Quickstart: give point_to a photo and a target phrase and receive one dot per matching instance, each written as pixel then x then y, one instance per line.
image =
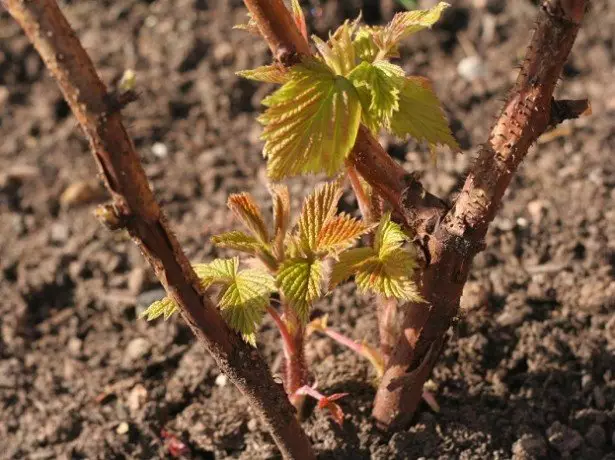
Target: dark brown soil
pixel 530 369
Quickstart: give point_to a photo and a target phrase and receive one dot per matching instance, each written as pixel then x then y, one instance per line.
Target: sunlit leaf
pixel 405 24
pixel 385 269
pixel 421 116
pixel 281 216
pixel 243 301
pixel 237 241
pixel 348 264
pixel 246 209
pixel 273 73
pixel 220 271
pixel 378 85
pixel 339 52
pixel 318 208
pixel 364 44
pixel 165 308
pixel 300 281
pixel 311 123
pixel 339 233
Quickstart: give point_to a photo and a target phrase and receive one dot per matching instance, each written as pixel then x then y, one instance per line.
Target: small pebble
pixel 471 68
pixel 122 428
pixel 74 346
pixel 221 380
pixel 137 348
pixel 58 233
pixel 137 397
pixel 160 150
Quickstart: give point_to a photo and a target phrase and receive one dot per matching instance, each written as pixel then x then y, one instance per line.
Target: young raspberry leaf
pixel 421 116
pixel 339 52
pixel 299 18
pixel 311 122
pixel 165 308
pixel 281 217
pixel 319 207
pixel 249 213
pixel 244 296
pixel 300 280
pixel 385 269
pixel 405 24
pixel 348 264
pixel 365 47
pixel 251 26
pixel 238 241
pixel 378 85
pixel 339 233
pixel 244 302
pixel 220 272
pixel 273 73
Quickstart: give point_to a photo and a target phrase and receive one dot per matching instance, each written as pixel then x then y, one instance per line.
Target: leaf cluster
pixel 311 122
pixel 294 260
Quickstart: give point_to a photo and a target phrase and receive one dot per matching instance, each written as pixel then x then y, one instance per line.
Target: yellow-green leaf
pixel 364 44
pixel 389 236
pixel 300 282
pixel 273 73
pixel 407 23
pixel 385 269
pixel 390 277
pixel 339 52
pixel 244 300
pixel 237 241
pixel 348 264
pixel 378 85
pixel 220 271
pixel 421 116
pixel 249 213
pixel 318 208
pixel 165 307
pixel 311 122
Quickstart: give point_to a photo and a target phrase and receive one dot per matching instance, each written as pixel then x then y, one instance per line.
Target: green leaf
pixel 348 264
pixel 220 271
pixel 300 281
pixel 243 302
pixel 249 213
pixel 364 44
pixel 405 24
pixel 273 73
pixel 237 241
pixel 389 277
pixel 378 85
pixel 421 116
pixel 318 208
pixel 339 52
pixel 165 307
pixel 386 269
pixel 311 123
